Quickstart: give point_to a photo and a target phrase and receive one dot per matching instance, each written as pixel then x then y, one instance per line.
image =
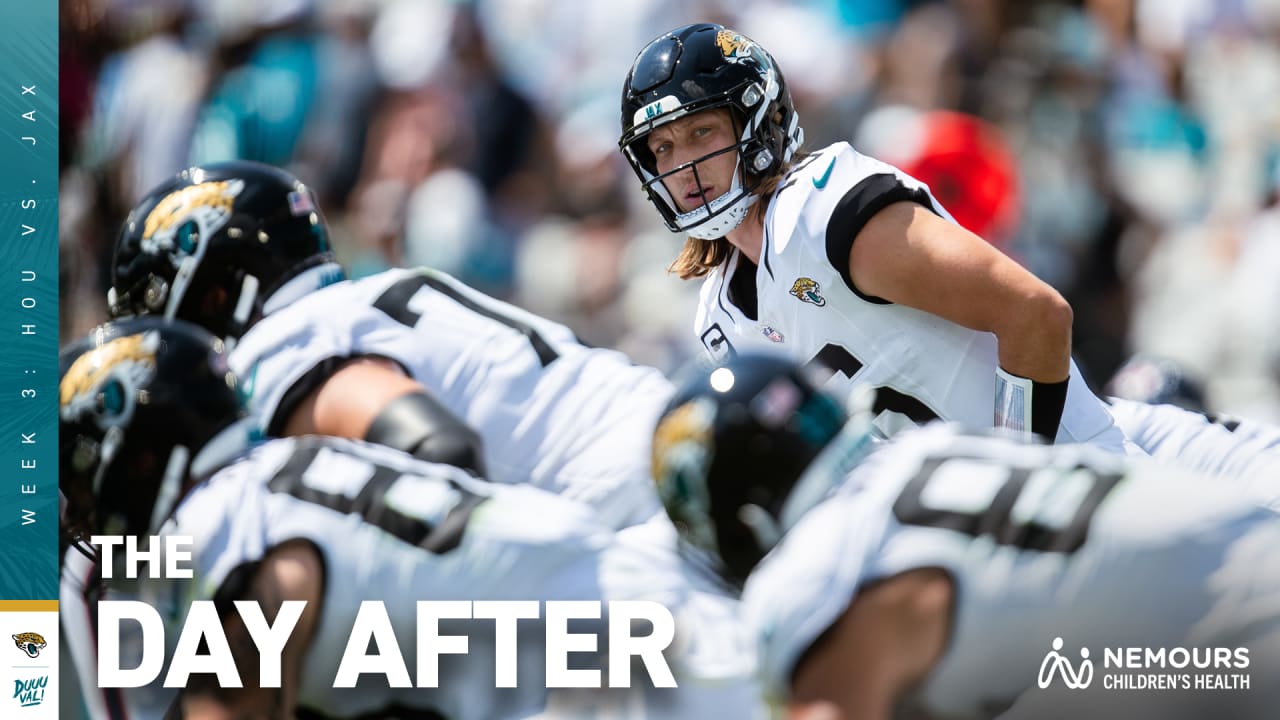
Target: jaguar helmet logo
pixel 204 207
pixel 30 643
pixel 733 46
pixel 105 381
pixel 682 446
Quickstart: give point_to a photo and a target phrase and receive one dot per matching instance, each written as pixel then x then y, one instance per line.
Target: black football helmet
pixel 701 67
pixel 214 245
pixel 1157 381
pixel 729 452
pixel 144 405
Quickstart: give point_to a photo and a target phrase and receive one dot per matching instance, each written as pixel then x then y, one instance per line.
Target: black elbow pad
pixel 418 424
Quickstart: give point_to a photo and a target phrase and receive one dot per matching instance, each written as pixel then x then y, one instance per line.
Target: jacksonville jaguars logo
pixel 733 46
pixel 178 222
pixel 30 643
pixel 681 450
pixel 104 383
pixel 806 289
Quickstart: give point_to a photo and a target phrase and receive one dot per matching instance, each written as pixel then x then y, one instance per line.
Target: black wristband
pixel 1047 403
pixel 420 425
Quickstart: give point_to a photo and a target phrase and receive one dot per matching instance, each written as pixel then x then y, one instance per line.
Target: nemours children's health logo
pixel 1055 665
pixel 1137 668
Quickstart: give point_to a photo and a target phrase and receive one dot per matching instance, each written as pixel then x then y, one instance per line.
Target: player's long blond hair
pixel 699 257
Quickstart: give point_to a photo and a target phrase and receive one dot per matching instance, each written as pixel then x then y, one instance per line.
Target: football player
pixel 838 258
pixel 153 442
pixel 941 572
pixel 411 359
pixel 1163 411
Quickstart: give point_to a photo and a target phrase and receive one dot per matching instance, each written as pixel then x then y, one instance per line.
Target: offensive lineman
pixel 838 258
pixel 1162 411
pixel 153 442
pixel 411 359
pixel 937 572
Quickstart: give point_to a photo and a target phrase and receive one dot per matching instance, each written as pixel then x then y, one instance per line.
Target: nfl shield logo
pixel 772 334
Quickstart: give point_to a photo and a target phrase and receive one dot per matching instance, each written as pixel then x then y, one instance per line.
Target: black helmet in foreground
pixel 731 448
pixel 145 405
pixel 216 244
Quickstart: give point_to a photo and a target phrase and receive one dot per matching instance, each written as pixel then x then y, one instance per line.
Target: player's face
pixel 687 139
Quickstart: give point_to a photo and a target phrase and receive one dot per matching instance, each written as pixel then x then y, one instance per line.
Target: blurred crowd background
pixel 1126 151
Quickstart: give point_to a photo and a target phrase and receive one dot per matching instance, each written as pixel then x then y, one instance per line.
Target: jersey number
pixel 394 301
pixel 1001 519
pixel 371 502
pixel 839 359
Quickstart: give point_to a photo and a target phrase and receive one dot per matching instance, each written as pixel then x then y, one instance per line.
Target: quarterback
pixel 838 258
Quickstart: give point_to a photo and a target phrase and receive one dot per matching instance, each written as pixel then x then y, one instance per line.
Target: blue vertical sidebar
pixel 28 302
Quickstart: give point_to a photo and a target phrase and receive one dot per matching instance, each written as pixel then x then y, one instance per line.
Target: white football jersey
pixel 570 419
pixel 1239 451
pixel 1041 543
pixel 397 530
pixel 801 301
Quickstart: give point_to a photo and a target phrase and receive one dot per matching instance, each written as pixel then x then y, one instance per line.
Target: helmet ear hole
pixel 762 160
pixel 156 294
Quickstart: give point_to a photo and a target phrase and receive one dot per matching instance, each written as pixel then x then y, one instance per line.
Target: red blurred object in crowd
pixel 971 171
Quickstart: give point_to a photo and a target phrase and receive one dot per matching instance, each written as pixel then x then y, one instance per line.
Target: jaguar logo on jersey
pixel 806 289
pixel 30 643
pixel 183 216
pixel 105 382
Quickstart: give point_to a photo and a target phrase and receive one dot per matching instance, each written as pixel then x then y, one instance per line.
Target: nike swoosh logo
pixel 821 182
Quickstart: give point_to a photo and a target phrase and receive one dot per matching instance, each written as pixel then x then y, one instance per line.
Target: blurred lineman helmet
pixel 729 452
pixel 221 245
pixel 1157 381
pixel 143 404
pixel 702 67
